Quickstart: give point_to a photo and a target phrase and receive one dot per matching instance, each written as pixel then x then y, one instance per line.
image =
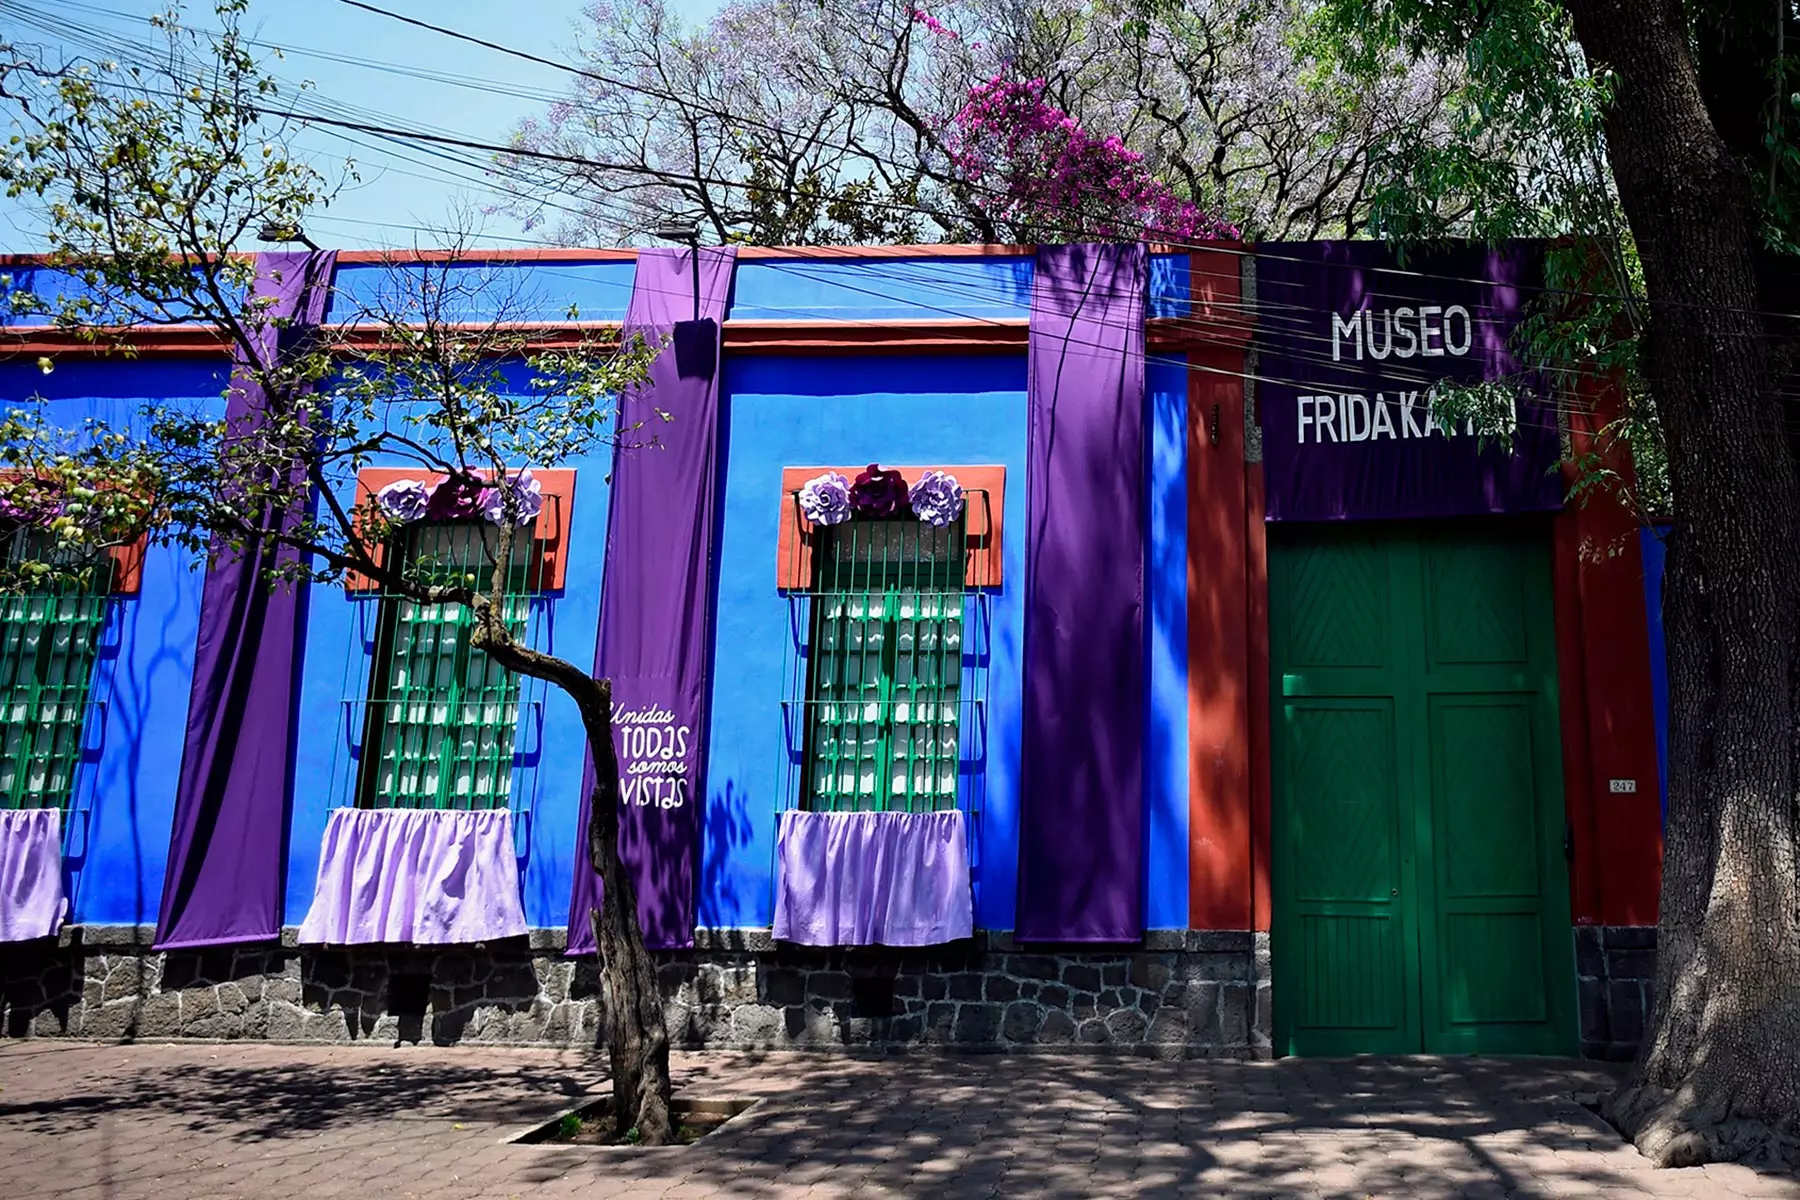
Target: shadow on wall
pixel 726 828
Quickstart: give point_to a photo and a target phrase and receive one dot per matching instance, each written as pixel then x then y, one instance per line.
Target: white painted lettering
pixel 1468 330
pixel 1327 413
pixel 1428 329
pixel 1387 330
pixel 1406 338
pixel 1352 329
pixel 1384 425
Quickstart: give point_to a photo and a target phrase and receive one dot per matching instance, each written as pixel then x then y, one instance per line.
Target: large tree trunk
pixel 1719 1073
pixel 637 1039
pixel 636 1036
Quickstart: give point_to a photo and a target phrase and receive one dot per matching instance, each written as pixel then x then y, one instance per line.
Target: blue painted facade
pixel 778 411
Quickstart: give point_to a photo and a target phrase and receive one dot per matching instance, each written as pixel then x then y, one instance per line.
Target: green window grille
pixel 49 639
pixel 442 715
pixel 884 692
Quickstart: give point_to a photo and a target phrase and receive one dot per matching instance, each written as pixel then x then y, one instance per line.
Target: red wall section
pixel 1221 598
pixel 1608 714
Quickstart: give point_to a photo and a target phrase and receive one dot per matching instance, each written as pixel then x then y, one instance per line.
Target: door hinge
pixel 1568 841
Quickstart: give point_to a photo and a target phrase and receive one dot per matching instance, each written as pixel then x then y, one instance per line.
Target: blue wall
pixel 783 412
pixel 121 811
pixel 778 412
pixel 551 745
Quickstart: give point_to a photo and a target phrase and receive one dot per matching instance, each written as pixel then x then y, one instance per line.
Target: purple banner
pixel 1351 343
pixel 656 605
pixel 1081 869
pixel 226 849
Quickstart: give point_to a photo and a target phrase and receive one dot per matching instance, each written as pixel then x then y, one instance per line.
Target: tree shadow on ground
pixel 264 1101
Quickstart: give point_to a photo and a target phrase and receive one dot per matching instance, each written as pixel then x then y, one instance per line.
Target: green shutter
pixel 443 716
pixel 48 641
pixel 884 691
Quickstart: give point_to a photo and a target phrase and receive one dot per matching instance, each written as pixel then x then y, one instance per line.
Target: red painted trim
pixel 551 532
pixel 854 337
pixel 128 560
pixel 478 257
pixel 1219 694
pixel 985 524
pixel 1164 334
pixel 1256 544
pixel 1571 688
pixel 1609 723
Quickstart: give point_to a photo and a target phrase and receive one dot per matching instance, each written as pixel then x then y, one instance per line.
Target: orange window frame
pixel 551 531
pixel 985 487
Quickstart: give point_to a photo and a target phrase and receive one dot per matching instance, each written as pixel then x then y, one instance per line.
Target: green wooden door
pixel 1421 902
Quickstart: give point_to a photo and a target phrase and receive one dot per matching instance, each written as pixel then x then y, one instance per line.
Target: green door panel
pixel 1350 926
pixel 1421 898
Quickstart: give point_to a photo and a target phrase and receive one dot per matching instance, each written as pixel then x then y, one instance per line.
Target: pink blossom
pixel 1038 167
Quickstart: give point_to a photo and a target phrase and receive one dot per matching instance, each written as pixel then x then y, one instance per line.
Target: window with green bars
pixel 49 640
pixel 885 683
pixel 442 715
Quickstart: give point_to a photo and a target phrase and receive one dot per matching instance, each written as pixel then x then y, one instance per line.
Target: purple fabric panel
pixel 656 605
pixel 31 873
pixel 1082 783
pixel 1351 340
pixel 425 876
pixel 872 879
pixel 226 850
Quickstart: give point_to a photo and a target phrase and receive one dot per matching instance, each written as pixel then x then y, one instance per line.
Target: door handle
pixel 1394 892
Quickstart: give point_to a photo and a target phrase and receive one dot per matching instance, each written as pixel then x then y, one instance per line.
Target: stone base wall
pixel 1616 967
pixel 1183 994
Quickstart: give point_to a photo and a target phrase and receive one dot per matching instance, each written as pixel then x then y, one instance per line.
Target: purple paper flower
pixel 937 499
pixel 517 500
pixel 403 500
pixel 878 493
pixel 826 500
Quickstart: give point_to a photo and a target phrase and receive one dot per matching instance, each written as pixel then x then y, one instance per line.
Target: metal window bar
pixel 442 717
pixel 884 697
pixel 49 641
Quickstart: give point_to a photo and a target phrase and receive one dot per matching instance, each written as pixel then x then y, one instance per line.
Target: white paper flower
pixel 403 500
pixel 517 500
pixel 937 499
pixel 826 500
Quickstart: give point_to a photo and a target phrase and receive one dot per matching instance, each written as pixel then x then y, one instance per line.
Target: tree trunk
pixel 637 1039
pixel 1718 1076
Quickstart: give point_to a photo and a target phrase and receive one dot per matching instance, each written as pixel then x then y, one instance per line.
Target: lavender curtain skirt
pixel 31 880
pixel 872 878
pixel 426 876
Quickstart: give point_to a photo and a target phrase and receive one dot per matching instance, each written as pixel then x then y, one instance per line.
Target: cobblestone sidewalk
pixel 84 1121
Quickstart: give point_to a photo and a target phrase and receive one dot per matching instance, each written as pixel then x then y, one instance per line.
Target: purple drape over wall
pixel 656 603
pixel 226 871
pixel 430 877
pixel 1082 793
pixel 872 878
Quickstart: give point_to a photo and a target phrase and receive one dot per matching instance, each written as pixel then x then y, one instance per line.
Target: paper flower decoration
pixel 455 500
pixel 519 499
pixel 826 500
pixel 403 500
pixel 878 493
pixel 937 499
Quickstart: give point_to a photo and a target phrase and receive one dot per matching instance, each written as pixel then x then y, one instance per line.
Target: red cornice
pixel 1167 335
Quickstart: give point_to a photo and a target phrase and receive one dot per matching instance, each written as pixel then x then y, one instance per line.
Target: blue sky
pixel 317 36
